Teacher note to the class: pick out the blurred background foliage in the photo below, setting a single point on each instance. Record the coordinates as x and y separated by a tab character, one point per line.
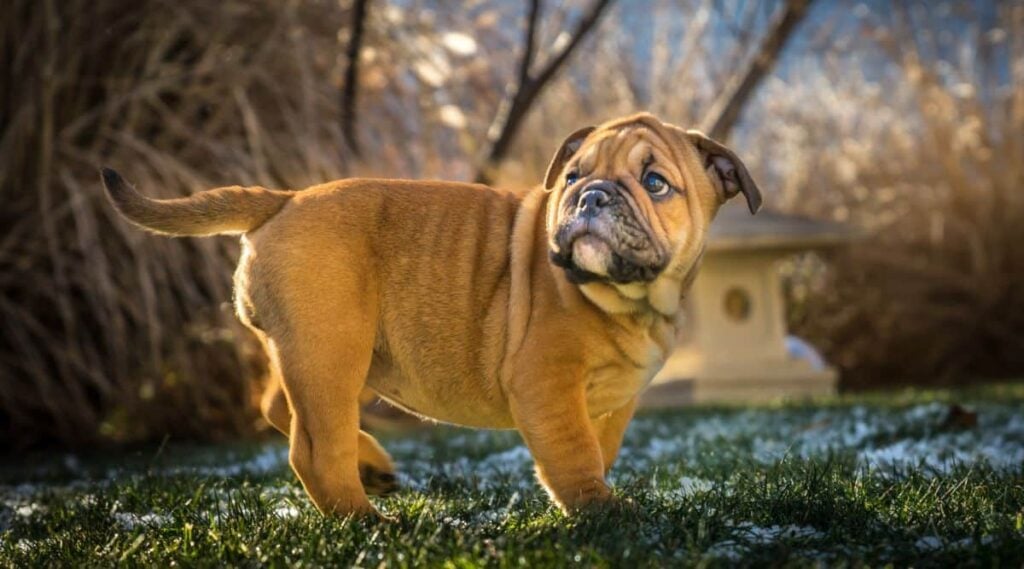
905	119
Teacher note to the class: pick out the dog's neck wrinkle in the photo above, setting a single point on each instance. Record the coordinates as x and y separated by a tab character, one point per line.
607	299
610	300
604	298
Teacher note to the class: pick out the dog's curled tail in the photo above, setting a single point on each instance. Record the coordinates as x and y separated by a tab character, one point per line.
222	210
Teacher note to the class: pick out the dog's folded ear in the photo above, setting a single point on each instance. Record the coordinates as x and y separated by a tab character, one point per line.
726	170
569	147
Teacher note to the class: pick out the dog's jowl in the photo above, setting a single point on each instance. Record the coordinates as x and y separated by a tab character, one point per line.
546	311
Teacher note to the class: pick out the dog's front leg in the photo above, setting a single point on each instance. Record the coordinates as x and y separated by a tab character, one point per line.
610	429
552	418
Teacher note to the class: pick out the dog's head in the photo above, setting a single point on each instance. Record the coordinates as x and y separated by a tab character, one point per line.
630	204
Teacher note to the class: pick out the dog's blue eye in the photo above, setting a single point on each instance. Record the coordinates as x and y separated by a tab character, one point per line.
656	184
571	178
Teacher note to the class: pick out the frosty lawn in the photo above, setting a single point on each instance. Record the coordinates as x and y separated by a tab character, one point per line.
884	479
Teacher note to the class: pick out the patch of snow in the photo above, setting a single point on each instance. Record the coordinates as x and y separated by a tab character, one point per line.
747	535
491	516
269	460
689	486
771	534
729	549
967	542
659	448
882	440
415	447
769	451
941	454
932	543
509	461
30	510
130	521
286	511
454	523
27	545
928	413
509	468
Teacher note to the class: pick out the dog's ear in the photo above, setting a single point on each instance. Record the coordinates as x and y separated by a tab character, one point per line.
569	147
726	170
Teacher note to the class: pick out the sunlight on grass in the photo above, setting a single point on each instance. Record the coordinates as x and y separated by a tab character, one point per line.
871	478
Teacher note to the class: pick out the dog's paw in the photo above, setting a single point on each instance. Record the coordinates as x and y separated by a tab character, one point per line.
609	507
593	495
378	482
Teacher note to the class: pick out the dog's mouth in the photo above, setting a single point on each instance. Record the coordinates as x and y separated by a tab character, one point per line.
599	249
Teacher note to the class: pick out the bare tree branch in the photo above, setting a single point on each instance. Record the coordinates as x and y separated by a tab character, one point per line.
350	88
726	110
531	38
517	104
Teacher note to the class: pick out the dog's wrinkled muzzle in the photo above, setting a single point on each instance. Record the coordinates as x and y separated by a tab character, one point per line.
599	238
594	198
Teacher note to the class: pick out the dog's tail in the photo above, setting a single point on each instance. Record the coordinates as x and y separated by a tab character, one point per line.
222	210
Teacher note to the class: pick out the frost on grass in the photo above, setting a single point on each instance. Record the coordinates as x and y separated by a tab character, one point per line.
689	485
746	536
269	460
286	511
933	543
699	462
675	452
130	521
511	468
882	441
30	510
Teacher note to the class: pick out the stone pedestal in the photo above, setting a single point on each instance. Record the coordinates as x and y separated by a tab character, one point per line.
733	343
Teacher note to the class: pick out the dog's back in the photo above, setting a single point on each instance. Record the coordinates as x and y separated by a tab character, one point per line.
435	255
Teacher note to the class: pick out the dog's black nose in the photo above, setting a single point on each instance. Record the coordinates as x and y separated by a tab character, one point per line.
592	201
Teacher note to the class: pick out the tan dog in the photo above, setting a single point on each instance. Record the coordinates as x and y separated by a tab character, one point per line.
547	313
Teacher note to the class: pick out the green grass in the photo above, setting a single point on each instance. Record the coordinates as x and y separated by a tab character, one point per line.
868	480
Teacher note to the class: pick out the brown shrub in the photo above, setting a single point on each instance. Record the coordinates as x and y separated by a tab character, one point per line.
927	157
106	333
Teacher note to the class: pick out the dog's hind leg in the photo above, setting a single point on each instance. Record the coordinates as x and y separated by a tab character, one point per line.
324	350
376	469
324	430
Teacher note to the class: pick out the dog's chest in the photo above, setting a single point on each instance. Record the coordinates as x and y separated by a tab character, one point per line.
624	369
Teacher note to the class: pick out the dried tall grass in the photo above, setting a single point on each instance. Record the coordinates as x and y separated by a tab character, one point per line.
108	334
925	151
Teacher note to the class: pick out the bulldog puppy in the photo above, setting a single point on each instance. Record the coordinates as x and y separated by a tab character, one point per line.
546	312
